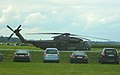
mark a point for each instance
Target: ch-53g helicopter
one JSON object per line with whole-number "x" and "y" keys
{"x": 64, "y": 41}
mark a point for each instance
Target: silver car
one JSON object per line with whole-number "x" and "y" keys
{"x": 51, "y": 55}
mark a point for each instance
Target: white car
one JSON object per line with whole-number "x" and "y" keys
{"x": 51, "y": 55}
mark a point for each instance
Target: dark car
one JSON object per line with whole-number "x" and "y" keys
{"x": 22, "y": 55}
{"x": 78, "y": 57}
{"x": 51, "y": 55}
{"x": 109, "y": 55}
{"x": 1, "y": 56}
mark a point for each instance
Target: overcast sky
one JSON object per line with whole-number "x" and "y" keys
{"x": 98, "y": 18}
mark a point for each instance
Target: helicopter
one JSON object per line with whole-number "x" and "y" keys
{"x": 64, "y": 41}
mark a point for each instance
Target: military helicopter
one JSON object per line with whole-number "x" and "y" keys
{"x": 64, "y": 41}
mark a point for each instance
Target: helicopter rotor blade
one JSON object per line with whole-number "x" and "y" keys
{"x": 10, "y": 28}
{"x": 69, "y": 34}
{"x": 73, "y": 35}
{"x": 95, "y": 37}
{"x": 10, "y": 36}
{"x": 83, "y": 37}
{"x": 86, "y": 39}
{"x": 42, "y": 33}
{"x": 18, "y": 27}
{"x": 52, "y": 33}
{"x": 14, "y": 31}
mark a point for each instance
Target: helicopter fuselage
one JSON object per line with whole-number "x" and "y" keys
{"x": 61, "y": 45}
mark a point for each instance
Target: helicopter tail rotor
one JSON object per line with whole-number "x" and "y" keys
{"x": 14, "y": 31}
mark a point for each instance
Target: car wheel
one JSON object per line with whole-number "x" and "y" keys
{"x": 58, "y": 61}
{"x": 0, "y": 58}
{"x": 28, "y": 60}
{"x": 44, "y": 61}
{"x": 117, "y": 62}
{"x": 71, "y": 61}
{"x": 99, "y": 60}
{"x": 86, "y": 62}
{"x": 102, "y": 62}
{"x": 14, "y": 60}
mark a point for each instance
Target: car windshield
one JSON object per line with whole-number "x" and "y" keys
{"x": 21, "y": 52}
{"x": 110, "y": 51}
{"x": 51, "y": 52}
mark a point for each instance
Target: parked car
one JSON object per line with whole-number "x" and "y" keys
{"x": 22, "y": 55}
{"x": 1, "y": 56}
{"x": 51, "y": 55}
{"x": 109, "y": 55}
{"x": 78, "y": 57}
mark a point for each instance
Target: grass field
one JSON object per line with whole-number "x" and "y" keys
{"x": 37, "y": 67}
{"x": 18, "y": 47}
{"x": 10, "y": 68}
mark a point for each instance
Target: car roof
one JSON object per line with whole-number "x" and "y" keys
{"x": 109, "y": 48}
{"x": 51, "y": 48}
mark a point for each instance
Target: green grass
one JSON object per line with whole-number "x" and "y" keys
{"x": 19, "y": 47}
{"x": 10, "y": 68}
{"x": 37, "y": 67}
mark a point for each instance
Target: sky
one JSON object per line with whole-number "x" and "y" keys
{"x": 96, "y": 18}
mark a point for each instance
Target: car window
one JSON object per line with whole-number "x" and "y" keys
{"x": 22, "y": 52}
{"x": 51, "y": 52}
{"x": 110, "y": 51}
{"x": 79, "y": 53}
